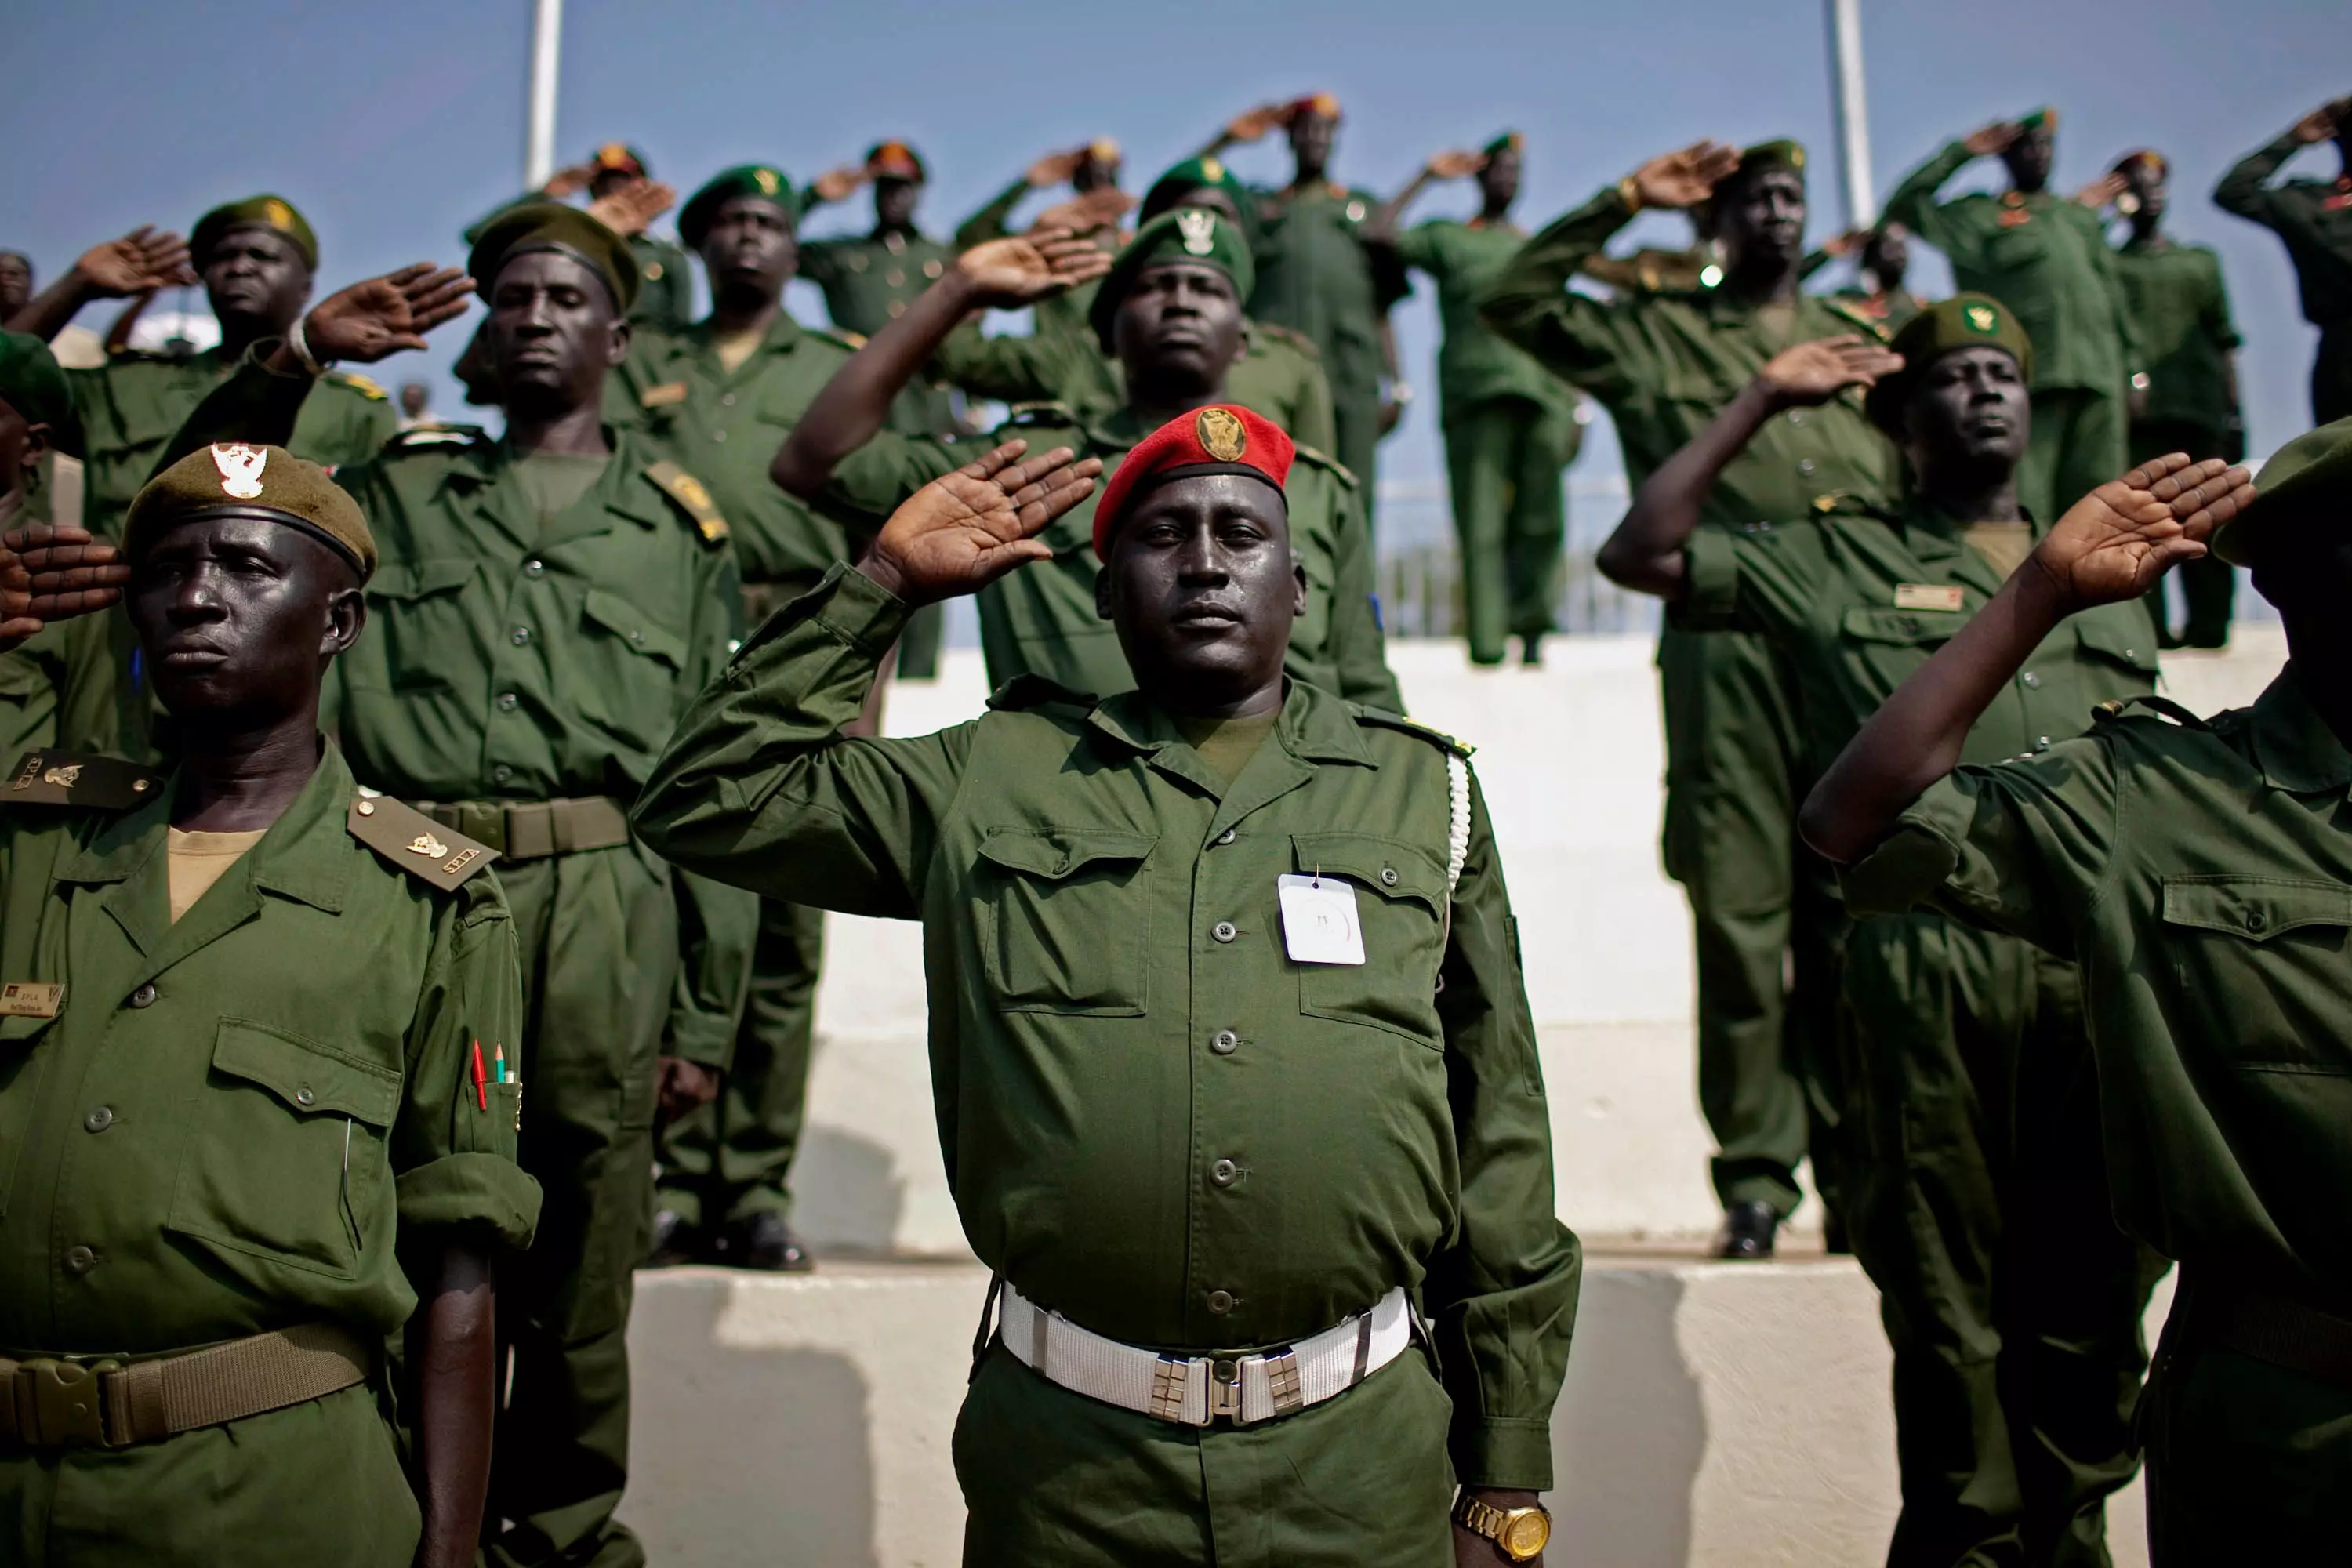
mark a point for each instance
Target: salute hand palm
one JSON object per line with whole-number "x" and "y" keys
{"x": 963, "y": 530}
{"x": 2115, "y": 543}
{"x": 381, "y": 316}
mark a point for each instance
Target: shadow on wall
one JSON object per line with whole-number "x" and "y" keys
{"x": 1630, "y": 1432}
{"x": 808, "y": 1496}
{"x": 848, "y": 1193}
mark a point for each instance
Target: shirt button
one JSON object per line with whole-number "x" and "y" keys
{"x": 727, "y": 400}
{"x": 1224, "y": 931}
{"x": 1224, "y": 1173}
{"x": 897, "y": 308}
{"x": 719, "y": 435}
{"x": 1388, "y": 876}
{"x": 637, "y": 637}
{"x": 505, "y": 701}
{"x": 1219, "y": 1301}
{"x": 81, "y": 1260}
{"x": 2031, "y": 680}
{"x": 501, "y": 772}
{"x": 1226, "y": 836}
{"x": 1224, "y": 1042}
{"x": 1805, "y": 465}
{"x": 304, "y": 1098}
{"x": 1796, "y": 417}
{"x": 520, "y": 637}
{"x": 534, "y": 567}
{"x": 894, "y": 277}
{"x": 2253, "y": 919}
{"x": 99, "y": 1121}
{"x": 144, "y": 996}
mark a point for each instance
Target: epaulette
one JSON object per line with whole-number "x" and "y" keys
{"x": 359, "y": 383}
{"x": 1388, "y": 721}
{"x": 436, "y": 436}
{"x": 440, "y": 856}
{"x": 1034, "y": 690}
{"x": 1290, "y": 335}
{"x": 1873, "y": 325}
{"x": 690, "y": 493}
{"x": 1326, "y": 460}
{"x": 853, "y": 342}
{"x": 1042, "y": 413}
{"x": 2158, "y": 708}
{"x": 51, "y": 777}
{"x": 1845, "y": 503}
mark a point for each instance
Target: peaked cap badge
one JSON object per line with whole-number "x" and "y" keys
{"x": 240, "y": 469}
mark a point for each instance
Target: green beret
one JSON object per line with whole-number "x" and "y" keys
{"x": 763, "y": 180}
{"x": 2306, "y": 481}
{"x": 1962, "y": 321}
{"x": 2043, "y": 118}
{"x": 1509, "y": 141}
{"x": 1767, "y": 157}
{"x": 1170, "y": 188}
{"x": 32, "y": 385}
{"x": 274, "y": 213}
{"x": 551, "y": 225}
{"x": 1195, "y": 235}
{"x": 238, "y": 480}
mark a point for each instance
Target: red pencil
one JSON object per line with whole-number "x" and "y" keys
{"x": 481, "y": 1079}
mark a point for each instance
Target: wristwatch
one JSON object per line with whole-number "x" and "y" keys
{"x": 1521, "y": 1533}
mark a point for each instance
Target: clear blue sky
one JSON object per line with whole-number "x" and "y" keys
{"x": 393, "y": 127}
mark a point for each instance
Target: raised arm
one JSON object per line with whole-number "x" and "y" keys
{"x": 1913, "y": 205}
{"x": 142, "y": 261}
{"x": 2112, "y": 545}
{"x": 2246, "y": 190}
{"x": 1250, "y": 126}
{"x": 1389, "y": 215}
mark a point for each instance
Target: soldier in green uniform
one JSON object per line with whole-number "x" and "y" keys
{"x": 665, "y": 290}
{"x": 1972, "y": 1184}
{"x": 1511, "y": 426}
{"x": 1315, "y": 277}
{"x": 2047, "y": 258}
{"x": 2189, "y": 343}
{"x": 2312, "y": 219}
{"x": 43, "y": 678}
{"x": 1169, "y": 310}
{"x": 1882, "y": 260}
{"x": 1230, "y": 1043}
{"x": 1662, "y": 364}
{"x": 870, "y": 279}
{"x": 215, "y": 978}
{"x": 2196, "y": 872}
{"x": 719, "y": 397}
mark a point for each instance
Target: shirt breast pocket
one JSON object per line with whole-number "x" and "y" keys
{"x": 1065, "y": 920}
{"x": 20, "y": 1066}
{"x": 1401, "y": 898}
{"x": 419, "y": 619}
{"x": 286, "y": 1149}
{"x": 1891, "y": 643}
{"x": 2264, "y": 963}
{"x": 630, "y": 684}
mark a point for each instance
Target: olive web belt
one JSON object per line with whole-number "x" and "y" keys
{"x": 76, "y": 1402}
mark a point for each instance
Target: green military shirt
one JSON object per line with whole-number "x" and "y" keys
{"x": 234, "y": 1116}
{"x": 1663, "y": 365}
{"x": 2201, "y": 874}
{"x": 1859, "y": 599}
{"x": 2045, "y": 257}
{"x": 1155, "y": 1121}
{"x": 1473, "y": 365}
{"x": 724, "y": 426}
{"x": 133, "y": 405}
{"x": 1042, "y": 621}
{"x": 2312, "y": 217}
{"x": 1315, "y": 275}
{"x": 2181, "y": 313}
{"x": 1886, "y": 310}
{"x": 868, "y": 281}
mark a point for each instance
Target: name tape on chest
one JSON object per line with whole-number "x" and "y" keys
{"x": 1927, "y": 597}
{"x": 31, "y": 999}
{"x": 1319, "y": 921}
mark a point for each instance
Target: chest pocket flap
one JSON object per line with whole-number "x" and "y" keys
{"x": 2126, "y": 638}
{"x": 2257, "y": 907}
{"x": 306, "y": 1076}
{"x": 420, "y": 581}
{"x": 634, "y": 627}
{"x": 1056, "y": 853}
{"x": 1901, "y": 628}
{"x": 1389, "y": 867}
{"x": 1064, "y": 927}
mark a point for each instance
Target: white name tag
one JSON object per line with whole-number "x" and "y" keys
{"x": 1927, "y": 596}
{"x": 1318, "y": 920}
{"x": 28, "y": 999}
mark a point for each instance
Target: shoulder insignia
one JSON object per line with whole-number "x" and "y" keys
{"x": 1846, "y": 503}
{"x": 2161, "y": 708}
{"x": 50, "y": 777}
{"x": 1025, "y": 691}
{"x": 423, "y": 437}
{"x": 441, "y": 856}
{"x": 1326, "y": 460}
{"x": 690, "y": 493}
{"x": 1857, "y": 312}
{"x": 1029, "y": 414}
{"x": 662, "y": 396}
{"x": 853, "y": 342}
{"x": 370, "y": 390}
{"x": 1290, "y": 335}
{"x": 1388, "y": 721}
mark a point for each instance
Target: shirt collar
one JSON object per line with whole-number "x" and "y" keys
{"x": 1314, "y": 726}
{"x": 2295, "y": 749}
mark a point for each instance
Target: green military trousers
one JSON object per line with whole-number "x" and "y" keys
{"x": 1356, "y": 424}
{"x": 1976, "y": 1194}
{"x": 1765, "y": 1058}
{"x": 1054, "y": 1480}
{"x": 319, "y": 1482}
{"x": 2209, "y": 585}
{"x": 2247, "y": 1462}
{"x": 1503, "y": 456}
{"x": 598, "y": 933}
{"x": 732, "y": 1159}
{"x": 2079, "y": 443}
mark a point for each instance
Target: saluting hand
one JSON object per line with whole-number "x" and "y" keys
{"x": 2115, "y": 543}
{"x": 1812, "y": 374}
{"x": 1997, "y": 137}
{"x": 1455, "y": 165}
{"x": 1687, "y": 176}
{"x": 835, "y": 185}
{"x": 1054, "y": 168}
{"x": 1099, "y": 209}
{"x": 2320, "y": 122}
{"x": 2101, "y": 192}
{"x": 52, "y": 573}
{"x": 1255, "y": 123}
{"x": 564, "y": 182}
{"x": 962, "y": 531}
{"x": 142, "y": 261}
{"x": 1006, "y": 274}
{"x": 382, "y": 316}
{"x": 629, "y": 209}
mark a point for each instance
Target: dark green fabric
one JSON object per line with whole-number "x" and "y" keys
{"x": 1463, "y": 260}
{"x": 1315, "y": 275}
{"x": 868, "y": 281}
{"x": 2246, "y": 1461}
{"x": 1206, "y": 172}
{"x": 2311, "y": 219}
{"x": 2305, "y": 484}
{"x": 2182, "y": 314}
{"x": 1888, "y": 311}
{"x": 763, "y": 180}
{"x": 1386, "y": 1133}
{"x": 2080, "y": 441}
{"x": 1504, "y": 457}
{"x": 32, "y": 385}
{"x": 1194, "y": 236}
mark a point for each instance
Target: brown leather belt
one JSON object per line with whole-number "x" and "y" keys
{"x": 535, "y": 829}
{"x": 85, "y": 1402}
{"x": 2267, "y": 1326}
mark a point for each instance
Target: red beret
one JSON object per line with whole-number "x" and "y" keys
{"x": 1218, "y": 439}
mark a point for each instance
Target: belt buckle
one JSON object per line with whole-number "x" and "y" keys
{"x": 1224, "y": 1389}
{"x": 63, "y": 1399}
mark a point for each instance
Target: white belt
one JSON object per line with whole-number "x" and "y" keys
{"x": 1195, "y": 1390}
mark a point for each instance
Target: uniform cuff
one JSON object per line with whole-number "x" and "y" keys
{"x": 1711, "y": 582}
{"x": 487, "y": 1191}
{"x": 1910, "y": 864}
{"x": 704, "y": 1041}
{"x": 1512, "y": 1454}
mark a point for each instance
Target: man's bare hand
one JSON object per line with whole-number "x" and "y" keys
{"x": 568, "y": 182}
{"x": 837, "y": 185}
{"x": 1812, "y": 374}
{"x": 1997, "y": 137}
{"x": 960, "y": 532}
{"x": 146, "y": 258}
{"x": 1840, "y": 245}
{"x": 1006, "y": 274}
{"x": 1255, "y": 123}
{"x": 53, "y": 573}
{"x": 1096, "y": 210}
{"x": 1055, "y": 168}
{"x": 629, "y": 209}
{"x": 1687, "y": 176}
{"x": 1455, "y": 165}
{"x": 2115, "y": 543}
{"x": 2101, "y": 192}
{"x": 380, "y": 317}
{"x": 2320, "y": 122}
{"x": 681, "y": 1087}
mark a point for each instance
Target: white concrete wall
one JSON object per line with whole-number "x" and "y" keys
{"x": 1570, "y": 757}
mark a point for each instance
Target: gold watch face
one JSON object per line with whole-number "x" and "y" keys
{"x": 1526, "y": 1530}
